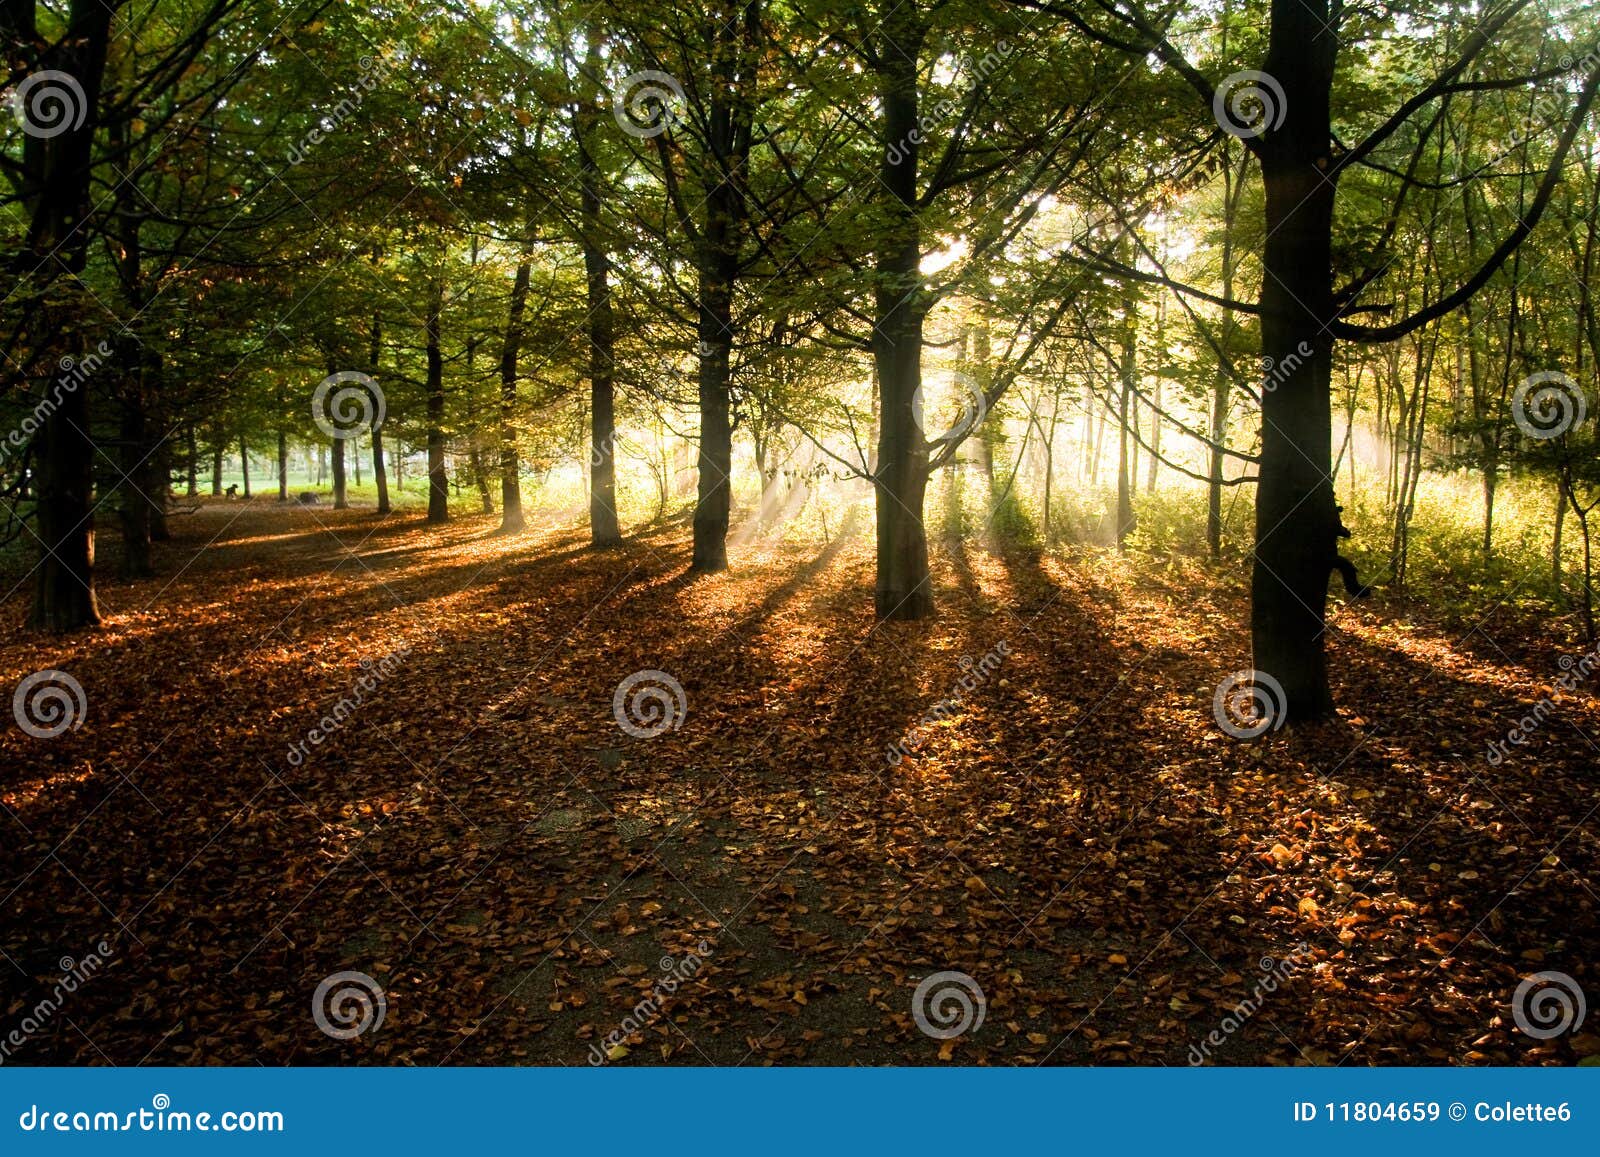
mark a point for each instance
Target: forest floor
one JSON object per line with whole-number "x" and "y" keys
{"x": 526, "y": 881}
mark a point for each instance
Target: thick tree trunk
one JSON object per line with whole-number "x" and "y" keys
{"x": 511, "y": 520}
{"x": 1296, "y": 523}
{"x": 714, "y": 500}
{"x": 438, "y": 481}
{"x": 64, "y": 597}
{"x": 904, "y": 588}
{"x": 605, "y": 530}
{"x": 55, "y": 182}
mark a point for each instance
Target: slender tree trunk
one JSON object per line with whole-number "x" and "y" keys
{"x": 158, "y": 485}
{"x": 374, "y": 352}
{"x": 216, "y": 468}
{"x": 283, "y": 465}
{"x": 134, "y": 502}
{"x": 438, "y": 482}
{"x": 511, "y": 520}
{"x": 193, "y": 464}
{"x": 1128, "y": 373}
{"x": 341, "y": 497}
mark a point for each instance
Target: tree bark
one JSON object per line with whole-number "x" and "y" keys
{"x": 1296, "y": 523}
{"x": 374, "y": 352}
{"x": 438, "y": 483}
{"x": 511, "y": 520}
{"x": 605, "y": 530}
{"x": 56, "y": 172}
{"x": 904, "y": 588}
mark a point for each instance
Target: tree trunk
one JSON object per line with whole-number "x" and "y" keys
{"x": 134, "y": 504}
{"x": 374, "y": 352}
{"x": 64, "y": 597}
{"x": 438, "y": 483}
{"x": 605, "y": 530}
{"x": 55, "y": 180}
{"x": 904, "y": 588}
{"x": 1127, "y": 373}
{"x": 216, "y": 469}
{"x": 341, "y": 498}
{"x": 511, "y": 520}
{"x": 193, "y": 464}
{"x": 1296, "y": 523}
{"x": 283, "y": 465}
